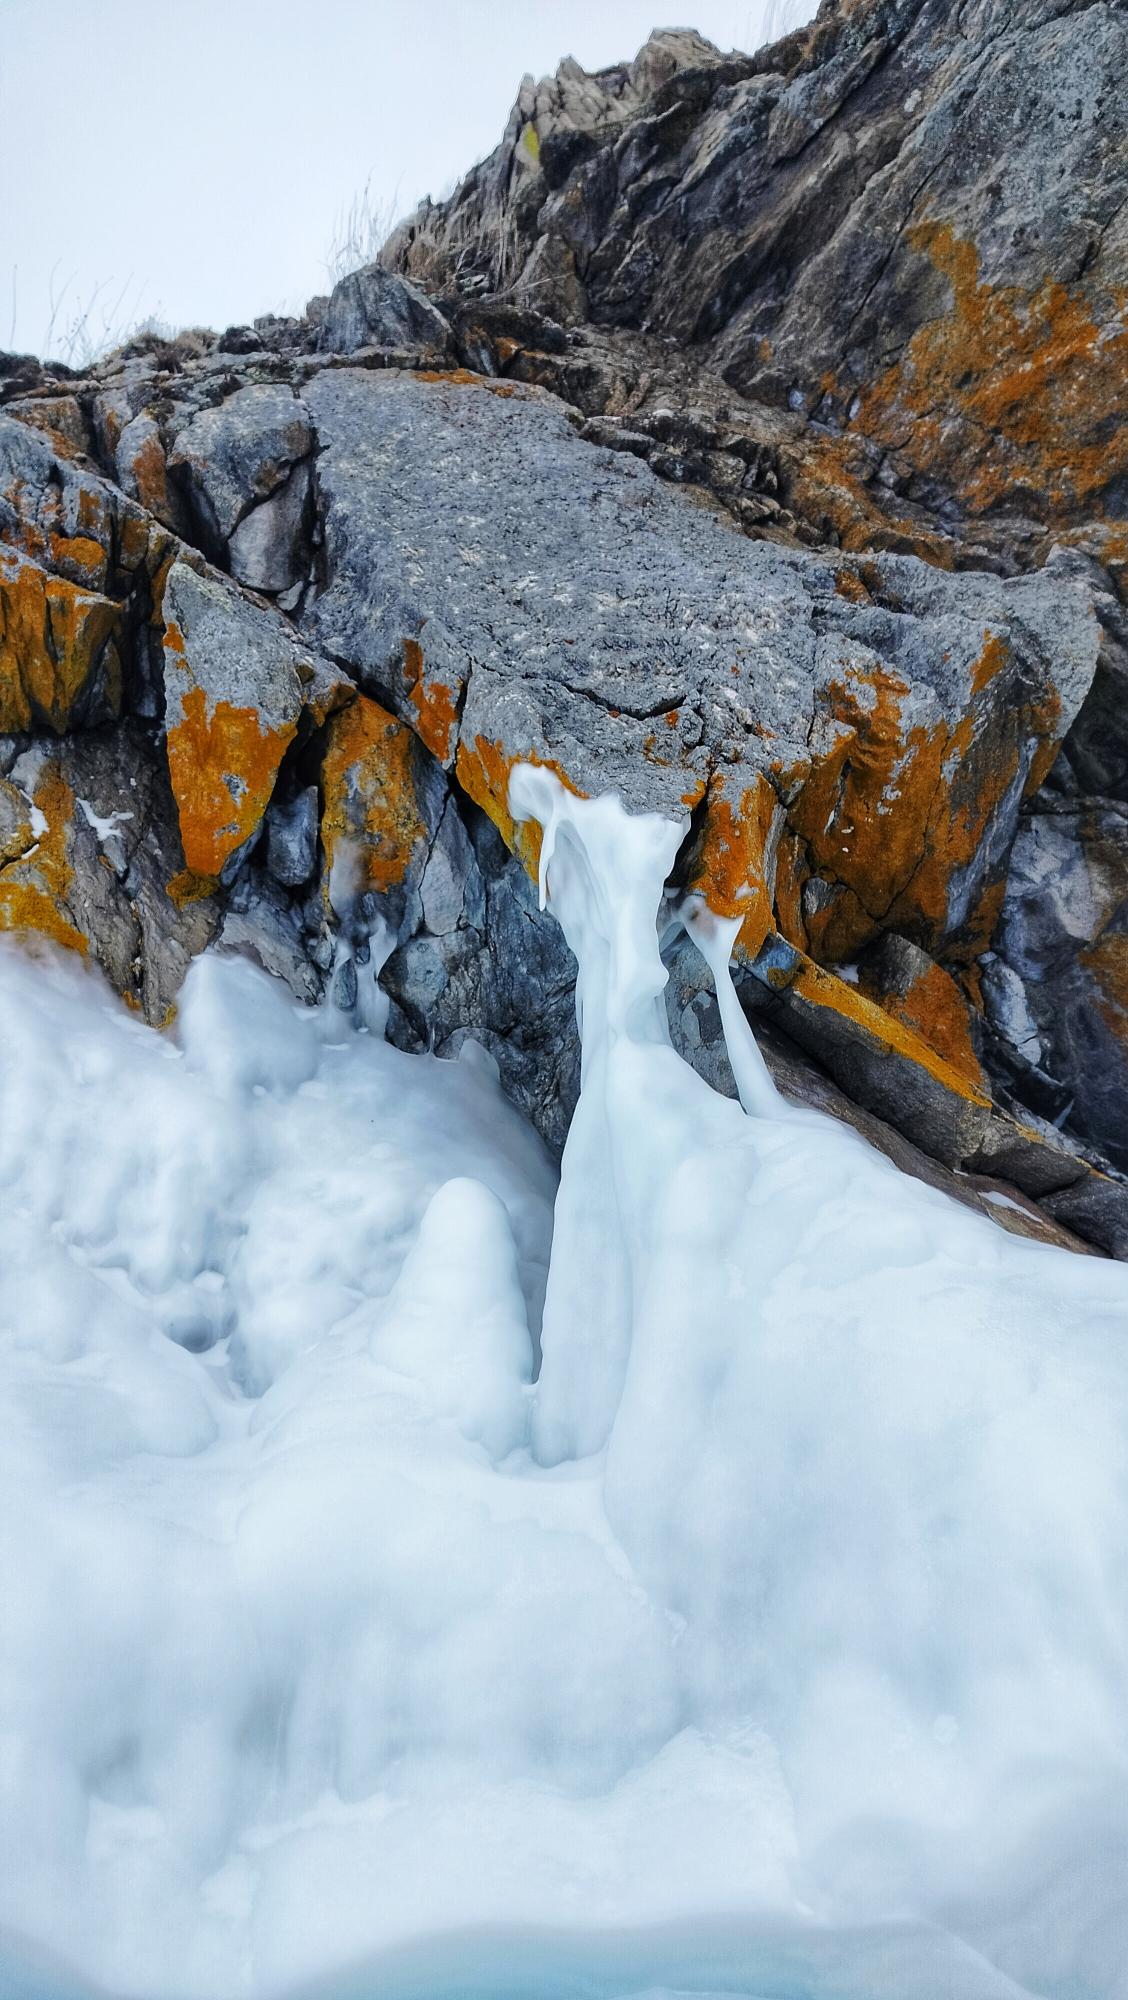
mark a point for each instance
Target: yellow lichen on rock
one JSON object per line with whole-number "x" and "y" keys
{"x": 1040, "y": 385}
{"x": 370, "y": 815}
{"x": 864, "y": 803}
{"x": 435, "y": 704}
{"x": 34, "y": 886}
{"x": 933, "y": 1007}
{"x": 733, "y": 860}
{"x": 821, "y": 988}
{"x": 223, "y": 762}
{"x": 893, "y": 815}
{"x": 1106, "y": 962}
{"x": 56, "y": 640}
{"x": 483, "y": 770}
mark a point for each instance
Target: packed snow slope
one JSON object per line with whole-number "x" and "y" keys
{"x": 769, "y": 1637}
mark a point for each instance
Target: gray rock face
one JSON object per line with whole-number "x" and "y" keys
{"x": 234, "y": 456}
{"x": 864, "y": 225}
{"x": 766, "y": 464}
{"x": 1063, "y": 937}
{"x": 268, "y": 550}
{"x": 291, "y": 836}
{"x": 375, "y": 308}
{"x": 643, "y": 646}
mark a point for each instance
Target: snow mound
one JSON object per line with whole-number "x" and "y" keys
{"x": 773, "y": 1642}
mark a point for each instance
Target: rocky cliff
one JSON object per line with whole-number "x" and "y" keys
{"x": 745, "y": 435}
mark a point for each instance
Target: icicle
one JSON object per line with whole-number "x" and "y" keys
{"x": 715, "y": 937}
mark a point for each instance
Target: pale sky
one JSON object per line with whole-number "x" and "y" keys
{"x": 194, "y": 162}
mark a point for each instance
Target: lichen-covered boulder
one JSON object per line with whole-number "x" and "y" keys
{"x": 848, "y": 746}
{"x": 236, "y": 686}
{"x": 88, "y": 844}
{"x": 60, "y": 663}
{"x": 908, "y": 229}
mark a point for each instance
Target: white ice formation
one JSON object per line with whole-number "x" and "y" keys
{"x": 773, "y": 1641}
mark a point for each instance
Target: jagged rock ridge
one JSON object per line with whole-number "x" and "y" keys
{"x": 279, "y": 610}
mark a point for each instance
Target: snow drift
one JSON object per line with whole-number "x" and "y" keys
{"x": 766, "y": 1635}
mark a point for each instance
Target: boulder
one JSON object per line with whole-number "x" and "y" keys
{"x": 853, "y": 759}
{"x": 375, "y": 308}
{"x": 60, "y": 663}
{"x": 236, "y": 686}
{"x": 237, "y": 455}
{"x": 1063, "y": 936}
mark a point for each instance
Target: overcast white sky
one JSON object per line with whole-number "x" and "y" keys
{"x": 194, "y": 161}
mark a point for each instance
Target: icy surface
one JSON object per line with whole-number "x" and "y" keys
{"x": 775, "y": 1643}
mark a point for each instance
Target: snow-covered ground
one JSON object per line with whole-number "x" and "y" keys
{"x": 774, "y": 1643}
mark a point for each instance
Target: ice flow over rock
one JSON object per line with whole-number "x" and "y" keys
{"x": 772, "y": 1642}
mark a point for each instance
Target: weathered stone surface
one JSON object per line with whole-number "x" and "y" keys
{"x": 1033, "y": 1156}
{"x": 375, "y": 308}
{"x": 61, "y": 417}
{"x": 142, "y": 470}
{"x": 919, "y": 994}
{"x": 269, "y": 548}
{"x": 291, "y": 838}
{"x": 1097, "y": 1208}
{"x": 231, "y": 457}
{"x": 236, "y": 684}
{"x": 726, "y": 345}
{"x": 838, "y": 225}
{"x": 857, "y": 756}
{"x": 884, "y": 1066}
{"x": 16, "y": 836}
{"x": 382, "y": 800}
{"x": 477, "y": 977}
{"x": 1064, "y": 934}
{"x": 103, "y": 845}
{"x": 62, "y": 516}
{"x": 60, "y": 665}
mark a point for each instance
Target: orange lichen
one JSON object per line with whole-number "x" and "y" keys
{"x": 892, "y": 814}
{"x": 1010, "y": 392}
{"x": 990, "y": 661}
{"x": 1107, "y": 963}
{"x": 368, "y": 794}
{"x": 813, "y": 983}
{"x": 791, "y": 872}
{"x": 139, "y": 540}
{"x": 187, "y": 887}
{"x": 934, "y": 1008}
{"x": 435, "y": 704}
{"x": 52, "y": 415}
{"x": 850, "y": 586}
{"x": 81, "y": 556}
{"x": 826, "y": 486}
{"x": 223, "y": 765}
{"x": 33, "y": 889}
{"x": 150, "y": 476}
{"x": 483, "y": 770}
{"x": 855, "y": 834}
{"x": 54, "y": 639}
{"x": 464, "y": 378}
{"x": 733, "y": 862}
